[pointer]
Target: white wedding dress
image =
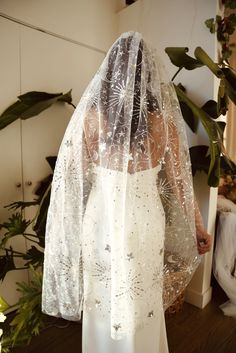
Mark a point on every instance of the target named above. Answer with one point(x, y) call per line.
point(144, 223)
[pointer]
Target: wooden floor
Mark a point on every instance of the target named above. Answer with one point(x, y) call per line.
point(191, 331)
point(202, 331)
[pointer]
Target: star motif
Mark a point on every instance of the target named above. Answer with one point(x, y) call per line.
point(130, 256)
point(68, 143)
point(130, 158)
point(150, 314)
point(108, 248)
point(102, 147)
point(97, 303)
point(117, 326)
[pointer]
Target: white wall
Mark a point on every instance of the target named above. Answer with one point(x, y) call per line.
point(92, 22)
point(180, 23)
point(36, 60)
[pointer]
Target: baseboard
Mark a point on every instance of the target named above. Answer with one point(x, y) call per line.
point(197, 299)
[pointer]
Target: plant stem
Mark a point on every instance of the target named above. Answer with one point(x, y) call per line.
point(21, 268)
point(34, 241)
point(30, 235)
point(176, 73)
point(204, 58)
point(12, 306)
point(14, 251)
point(72, 105)
point(13, 255)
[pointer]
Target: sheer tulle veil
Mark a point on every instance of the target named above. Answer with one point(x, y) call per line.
point(127, 122)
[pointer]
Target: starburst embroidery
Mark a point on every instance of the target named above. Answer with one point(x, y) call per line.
point(67, 269)
point(165, 190)
point(140, 106)
point(92, 97)
point(102, 272)
point(156, 278)
point(131, 286)
point(120, 94)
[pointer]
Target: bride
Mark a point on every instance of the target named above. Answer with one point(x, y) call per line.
point(121, 239)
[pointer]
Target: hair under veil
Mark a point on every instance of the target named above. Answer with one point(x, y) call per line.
point(133, 248)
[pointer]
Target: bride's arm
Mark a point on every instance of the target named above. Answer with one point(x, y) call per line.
point(204, 239)
point(172, 158)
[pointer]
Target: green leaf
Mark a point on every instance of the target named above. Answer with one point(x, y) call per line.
point(34, 97)
point(43, 191)
point(222, 37)
point(229, 30)
point(7, 342)
point(29, 318)
point(232, 19)
point(210, 107)
point(230, 83)
point(16, 225)
point(180, 59)
point(227, 166)
point(6, 263)
point(3, 305)
point(34, 257)
point(31, 104)
point(190, 119)
point(35, 108)
point(218, 19)
point(67, 98)
point(204, 59)
point(40, 225)
point(231, 4)
point(12, 113)
point(42, 187)
point(221, 128)
point(222, 101)
point(210, 23)
point(200, 158)
point(21, 205)
point(52, 161)
point(231, 92)
point(214, 139)
point(41, 217)
point(182, 87)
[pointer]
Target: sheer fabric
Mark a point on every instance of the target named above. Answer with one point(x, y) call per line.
point(224, 264)
point(127, 139)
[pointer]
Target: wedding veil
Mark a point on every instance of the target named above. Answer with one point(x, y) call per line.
point(127, 122)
